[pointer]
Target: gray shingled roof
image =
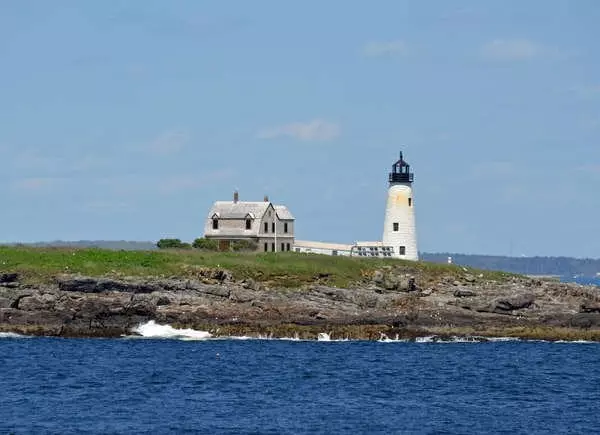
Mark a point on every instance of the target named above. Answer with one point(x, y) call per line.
point(238, 210)
point(283, 212)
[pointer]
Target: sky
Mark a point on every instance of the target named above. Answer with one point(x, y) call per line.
point(125, 120)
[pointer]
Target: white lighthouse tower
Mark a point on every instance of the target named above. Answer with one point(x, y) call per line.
point(399, 230)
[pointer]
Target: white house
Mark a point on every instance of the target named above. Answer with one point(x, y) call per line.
point(270, 226)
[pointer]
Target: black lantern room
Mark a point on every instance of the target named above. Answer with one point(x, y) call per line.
point(401, 172)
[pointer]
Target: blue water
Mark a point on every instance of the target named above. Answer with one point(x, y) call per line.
point(275, 387)
point(585, 280)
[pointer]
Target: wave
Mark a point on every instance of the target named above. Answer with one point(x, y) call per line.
point(152, 329)
point(12, 335)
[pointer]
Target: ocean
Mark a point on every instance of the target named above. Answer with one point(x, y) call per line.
point(584, 280)
point(186, 382)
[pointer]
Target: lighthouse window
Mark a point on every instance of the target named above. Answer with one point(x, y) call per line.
point(410, 202)
point(402, 250)
point(395, 226)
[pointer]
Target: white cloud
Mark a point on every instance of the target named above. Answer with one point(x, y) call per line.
point(511, 49)
point(169, 142)
point(315, 130)
point(385, 48)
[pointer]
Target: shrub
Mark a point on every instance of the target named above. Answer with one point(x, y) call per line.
point(172, 244)
point(244, 245)
point(206, 244)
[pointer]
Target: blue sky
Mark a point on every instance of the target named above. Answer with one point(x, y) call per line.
point(127, 119)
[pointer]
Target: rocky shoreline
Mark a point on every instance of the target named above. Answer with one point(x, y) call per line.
point(387, 303)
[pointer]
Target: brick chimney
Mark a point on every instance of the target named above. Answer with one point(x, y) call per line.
point(236, 197)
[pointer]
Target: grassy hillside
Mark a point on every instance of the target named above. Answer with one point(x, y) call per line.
point(284, 269)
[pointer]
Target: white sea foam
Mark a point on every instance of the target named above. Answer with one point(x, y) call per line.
point(323, 336)
point(12, 335)
point(428, 339)
point(152, 329)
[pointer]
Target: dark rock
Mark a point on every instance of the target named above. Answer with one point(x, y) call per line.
point(242, 295)
point(15, 304)
point(5, 302)
point(401, 283)
point(163, 300)
point(585, 320)
point(378, 277)
point(590, 307)
point(37, 302)
point(8, 277)
point(211, 289)
point(99, 285)
point(464, 293)
point(507, 305)
point(469, 278)
point(9, 284)
point(220, 275)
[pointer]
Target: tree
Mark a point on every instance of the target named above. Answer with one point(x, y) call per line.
point(172, 244)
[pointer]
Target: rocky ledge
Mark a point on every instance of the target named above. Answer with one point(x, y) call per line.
point(386, 303)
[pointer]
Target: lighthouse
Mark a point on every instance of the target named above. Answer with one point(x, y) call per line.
point(399, 230)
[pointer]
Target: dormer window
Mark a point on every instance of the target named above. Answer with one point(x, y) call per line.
point(215, 223)
point(248, 224)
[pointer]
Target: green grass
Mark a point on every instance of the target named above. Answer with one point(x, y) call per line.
point(282, 269)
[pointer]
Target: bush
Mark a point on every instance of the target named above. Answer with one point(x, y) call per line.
point(243, 245)
point(172, 244)
point(206, 244)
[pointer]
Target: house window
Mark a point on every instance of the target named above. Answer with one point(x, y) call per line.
point(273, 247)
point(282, 247)
point(248, 224)
point(334, 252)
point(272, 227)
point(215, 224)
point(410, 202)
point(287, 247)
point(266, 227)
point(285, 227)
point(395, 226)
point(297, 249)
point(266, 247)
point(402, 250)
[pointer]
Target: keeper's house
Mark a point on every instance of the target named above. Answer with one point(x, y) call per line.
point(270, 226)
